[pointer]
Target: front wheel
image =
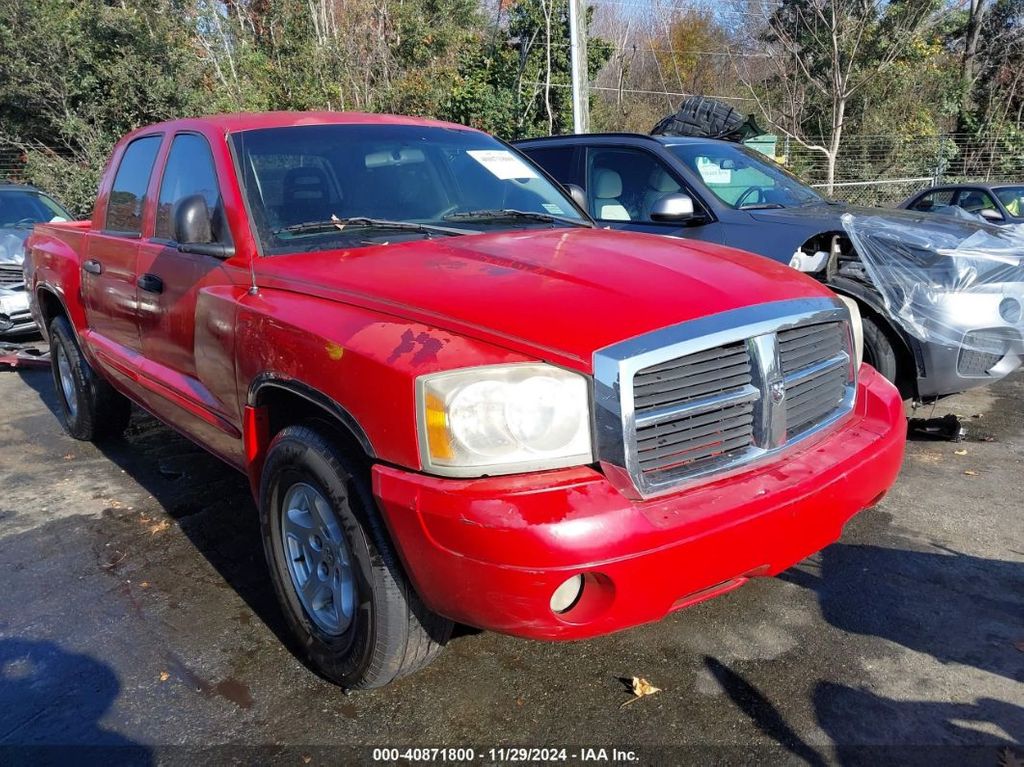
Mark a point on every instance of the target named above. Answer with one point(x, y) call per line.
point(345, 597)
point(878, 349)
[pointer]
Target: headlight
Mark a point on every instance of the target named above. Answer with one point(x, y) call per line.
point(857, 325)
point(502, 419)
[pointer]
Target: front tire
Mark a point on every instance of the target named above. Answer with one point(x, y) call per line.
point(90, 409)
point(878, 349)
point(345, 597)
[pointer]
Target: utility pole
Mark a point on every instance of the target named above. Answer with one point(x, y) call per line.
point(578, 58)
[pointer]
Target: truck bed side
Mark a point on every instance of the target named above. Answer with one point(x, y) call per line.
point(54, 270)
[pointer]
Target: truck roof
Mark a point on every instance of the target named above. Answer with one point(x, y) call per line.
point(243, 121)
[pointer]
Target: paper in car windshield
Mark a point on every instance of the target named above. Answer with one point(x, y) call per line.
point(712, 173)
point(502, 163)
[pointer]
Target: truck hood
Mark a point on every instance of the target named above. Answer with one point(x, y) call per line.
point(558, 295)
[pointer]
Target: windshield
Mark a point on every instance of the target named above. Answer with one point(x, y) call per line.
point(745, 179)
point(25, 207)
point(322, 186)
point(1012, 198)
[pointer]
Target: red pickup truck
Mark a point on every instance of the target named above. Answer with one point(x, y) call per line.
point(454, 397)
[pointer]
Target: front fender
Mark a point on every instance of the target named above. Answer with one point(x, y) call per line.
point(365, 362)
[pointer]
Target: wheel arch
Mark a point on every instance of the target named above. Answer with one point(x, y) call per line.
point(871, 304)
point(50, 305)
point(274, 402)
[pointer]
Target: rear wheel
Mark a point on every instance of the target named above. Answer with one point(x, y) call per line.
point(90, 409)
point(357, 619)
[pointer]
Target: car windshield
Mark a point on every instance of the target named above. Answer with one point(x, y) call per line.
point(26, 207)
point(745, 179)
point(1012, 198)
point(321, 186)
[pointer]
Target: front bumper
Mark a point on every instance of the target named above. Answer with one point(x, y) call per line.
point(15, 317)
point(966, 342)
point(490, 552)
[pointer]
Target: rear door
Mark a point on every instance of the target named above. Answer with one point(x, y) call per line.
point(110, 255)
point(185, 325)
point(624, 183)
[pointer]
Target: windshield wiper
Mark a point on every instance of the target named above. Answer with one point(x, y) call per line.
point(761, 206)
point(364, 222)
point(500, 214)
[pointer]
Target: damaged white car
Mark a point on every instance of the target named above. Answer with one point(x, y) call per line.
point(21, 208)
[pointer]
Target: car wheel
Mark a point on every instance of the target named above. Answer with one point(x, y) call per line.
point(90, 409)
point(345, 597)
point(878, 349)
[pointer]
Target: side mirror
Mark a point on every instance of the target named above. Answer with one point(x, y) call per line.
point(193, 228)
point(991, 214)
point(578, 195)
point(673, 208)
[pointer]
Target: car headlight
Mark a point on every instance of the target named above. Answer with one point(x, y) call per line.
point(502, 419)
point(857, 325)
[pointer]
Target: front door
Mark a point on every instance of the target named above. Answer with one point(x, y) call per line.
point(186, 321)
point(624, 183)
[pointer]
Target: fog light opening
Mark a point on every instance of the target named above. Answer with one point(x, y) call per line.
point(567, 595)
point(1009, 310)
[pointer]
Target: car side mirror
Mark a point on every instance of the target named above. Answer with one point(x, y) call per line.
point(991, 214)
point(193, 228)
point(673, 208)
point(577, 194)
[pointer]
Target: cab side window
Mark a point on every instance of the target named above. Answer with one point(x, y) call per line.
point(625, 184)
point(128, 195)
point(190, 171)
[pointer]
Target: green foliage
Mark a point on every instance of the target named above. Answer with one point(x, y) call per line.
point(77, 75)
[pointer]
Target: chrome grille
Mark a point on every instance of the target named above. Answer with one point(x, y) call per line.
point(815, 363)
point(699, 399)
point(717, 384)
point(11, 276)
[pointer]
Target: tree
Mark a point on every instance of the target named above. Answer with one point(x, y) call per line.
point(77, 75)
point(523, 72)
point(820, 55)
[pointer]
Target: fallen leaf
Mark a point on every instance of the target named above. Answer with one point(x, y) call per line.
point(641, 689)
point(116, 560)
point(306, 758)
point(959, 452)
point(164, 676)
point(159, 527)
point(144, 584)
point(971, 473)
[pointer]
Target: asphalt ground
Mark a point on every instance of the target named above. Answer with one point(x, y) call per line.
point(136, 617)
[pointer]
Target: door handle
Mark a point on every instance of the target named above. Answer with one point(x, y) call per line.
point(93, 266)
point(150, 283)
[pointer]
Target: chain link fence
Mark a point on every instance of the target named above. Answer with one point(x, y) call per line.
point(12, 165)
point(885, 170)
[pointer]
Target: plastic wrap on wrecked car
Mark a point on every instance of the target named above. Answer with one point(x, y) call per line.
point(953, 282)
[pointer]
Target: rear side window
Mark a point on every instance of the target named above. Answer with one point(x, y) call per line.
point(557, 162)
point(128, 195)
point(939, 199)
point(189, 171)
